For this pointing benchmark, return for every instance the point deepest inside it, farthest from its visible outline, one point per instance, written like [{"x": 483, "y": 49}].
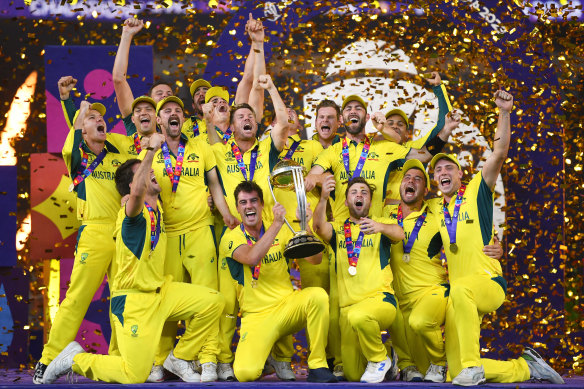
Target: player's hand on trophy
[
  {"x": 504, "y": 100},
  {"x": 279, "y": 213},
  {"x": 369, "y": 226},
  {"x": 66, "y": 85},
  {"x": 435, "y": 79},
  {"x": 132, "y": 26},
  {"x": 328, "y": 185},
  {"x": 308, "y": 213},
  {"x": 378, "y": 120}
]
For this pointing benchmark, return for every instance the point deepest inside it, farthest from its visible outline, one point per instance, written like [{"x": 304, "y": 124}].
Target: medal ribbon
[
  {"x": 256, "y": 269},
  {"x": 419, "y": 223},
  {"x": 291, "y": 151},
  {"x": 195, "y": 126},
  {"x": 451, "y": 221},
  {"x": 83, "y": 172},
  {"x": 353, "y": 251},
  {"x": 137, "y": 143},
  {"x": 225, "y": 135},
  {"x": 154, "y": 226},
  {"x": 241, "y": 164},
  {"x": 173, "y": 174},
  {"x": 362, "y": 158}
]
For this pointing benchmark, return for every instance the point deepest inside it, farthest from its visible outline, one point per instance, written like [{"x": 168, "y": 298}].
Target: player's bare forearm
[
  {"x": 502, "y": 139},
  {"x": 321, "y": 227},
  {"x": 252, "y": 255}
]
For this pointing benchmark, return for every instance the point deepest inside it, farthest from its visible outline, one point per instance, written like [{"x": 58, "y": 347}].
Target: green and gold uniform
[
  {"x": 271, "y": 308},
  {"x": 421, "y": 287},
  {"x": 143, "y": 300},
  {"x": 383, "y": 157},
  {"x": 366, "y": 299},
  {"x": 476, "y": 283}
]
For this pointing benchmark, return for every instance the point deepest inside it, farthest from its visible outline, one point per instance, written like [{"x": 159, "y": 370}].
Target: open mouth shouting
[
  {"x": 250, "y": 216},
  {"x": 174, "y": 123},
  {"x": 409, "y": 192},
  {"x": 325, "y": 129},
  {"x": 247, "y": 126},
  {"x": 354, "y": 119},
  {"x": 101, "y": 129},
  {"x": 223, "y": 108}
]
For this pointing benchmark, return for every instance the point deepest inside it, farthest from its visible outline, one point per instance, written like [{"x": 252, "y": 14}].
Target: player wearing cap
[
  {"x": 195, "y": 125},
  {"x": 92, "y": 156},
  {"x": 269, "y": 305},
  {"x": 143, "y": 298},
  {"x": 362, "y": 246},
  {"x": 183, "y": 168},
  {"x": 477, "y": 286}
]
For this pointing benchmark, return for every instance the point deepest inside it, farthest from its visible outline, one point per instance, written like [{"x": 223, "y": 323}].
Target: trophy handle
[
  {"x": 274, "y": 197},
  {"x": 300, "y": 196}
]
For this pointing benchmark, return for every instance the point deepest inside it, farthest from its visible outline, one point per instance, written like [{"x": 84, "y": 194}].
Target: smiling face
[
  {"x": 153, "y": 186},
  {"x": 160, "y": 92},
  {"x": 244, "y": 124},
  {"x": 397, "y": 123},
  {"x": 413, "y": 187},
  {"x": 250, "y": 206},
  {"x": 170, "y": 119},
  {"x": 354, "y": 117},
  {"x": 94, "y": 128},
  {"x": 358, "y": 200},
  {"x": 448, "y": 176},
  {"x": 144, "y": 118},
  {"x": 221, "y": 109},
  {"x": 199, "y": 99},
  {"x": 327, "y": 123}
]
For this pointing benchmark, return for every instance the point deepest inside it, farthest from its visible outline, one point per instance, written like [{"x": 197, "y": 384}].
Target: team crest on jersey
[
  {"x": 132, "y": 150},
  {"x": 192, "y": 158},
  {"x": 229, "y": 157},
  {"x": 134, "y": 330},
  {"x": 160, "y": 158},
  {"x": 83, "y": 258},
  {"x": 224, "y": 263},
  {"x": 230, "y": 244},
  {"x": 116, "y": 163},
  {"x": 373, "y": 156}
]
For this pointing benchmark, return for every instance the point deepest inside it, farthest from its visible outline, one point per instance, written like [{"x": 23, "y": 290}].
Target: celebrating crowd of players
[{"x": 199, "y": 238}]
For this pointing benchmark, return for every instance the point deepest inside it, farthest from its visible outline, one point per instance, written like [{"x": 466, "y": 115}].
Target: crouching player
[
  {"x": 142, "y": 298},
  {"x": 269, "y": 306},
  {"x": 364, "y": 279}
]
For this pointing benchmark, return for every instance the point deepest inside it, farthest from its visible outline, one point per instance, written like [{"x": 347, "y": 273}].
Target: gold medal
[
  {"x": 406, "y": 257},
  {"x": 453, "y": 248},
  {"x": 254, "y": 283},
  {"x": 71, "y": 187},
  {"x": 353, "y": 270}
]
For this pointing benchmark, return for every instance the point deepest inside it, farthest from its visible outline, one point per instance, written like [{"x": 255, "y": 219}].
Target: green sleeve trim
[
  {"x": 129, "y": 124},
  {"x": 79, "y": 232},
  {"x": 236, "y": 270},
  {"x": 485, "y": 209},
  {"x": 118, "y": 305},
  {"x": 69, "y": 110},
  {"x": 384, "y": 251},
  {"x": 444, "y": 107},
  {"x": 133, "y": 234},
  {"x": 389, "y": 298},
  {"x": 394, "y": 165},
  {"x": 435, "y": 245},
  {"x": 333, "y": 243},
  {"x": 274, "y": 155},
  {"x": 502, "y": 282},
  {"x": 220, "y": 182}
]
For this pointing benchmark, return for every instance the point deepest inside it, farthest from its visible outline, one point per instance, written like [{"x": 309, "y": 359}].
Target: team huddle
[{"x": 200, "y": 237}]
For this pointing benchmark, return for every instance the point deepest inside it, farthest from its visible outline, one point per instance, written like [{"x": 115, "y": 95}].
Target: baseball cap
[
  {"x": 219, "y": 91},
  {"x": 416, "y": 164},
  {"x": 199, "y": 83},
  {"x": 450, "y": 157},
  {"x": 356, "y": 98},
  {"x": 399, "y": 112},
  {"x": 169, "y": 99},
  {"x": 99, "y": 107},
  {"x": 146, "y": 99}
]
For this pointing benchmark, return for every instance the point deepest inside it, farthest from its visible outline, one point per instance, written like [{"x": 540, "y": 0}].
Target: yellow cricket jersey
[
  {"x": 187, "y": 209},
  {"x": 305, "y": 154},
  {"x": 188, "y": 130},
  {"x": 425, "y": 266},
  {"x": 373, "y": 273},
  {"x": 273, "y": 283},
  {"x": 382, "y": 158},
  {"x": 474, "y": 230},
  {"x": 139, "y": 267},
  {"x": 444, "y": 106},
  {"x": 230, "y": 175}
]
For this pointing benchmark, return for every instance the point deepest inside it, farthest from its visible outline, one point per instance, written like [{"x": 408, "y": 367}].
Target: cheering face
[
  {"x": 413, "y": 187},
  {"x": 153, "y": 187},
  {"x": 396, "y": 123},
  {"x": 199, "y": 99},
  {"x": 327, "y": 123},
  {"x": 250, "y": 206},
  {"x": 94, "y": 128},
  {"x": 144, "y": 118},
  {"x": 448, "y": 176},
  {"x": 354, "y": 117},
  {"x": 221, "y": 108},
  {"x": 358, "y": 200},
  {"x": 170, "y": 119},
  {"x": 160, "y": 92},
  {"x": 293, "y": 120},
  {"x": 244, "y": 124}
]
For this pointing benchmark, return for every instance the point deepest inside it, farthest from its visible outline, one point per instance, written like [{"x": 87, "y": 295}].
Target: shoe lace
[{"x": 72, "y": 378}]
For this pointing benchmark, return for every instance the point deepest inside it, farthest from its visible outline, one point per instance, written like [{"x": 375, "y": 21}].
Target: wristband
[
  {"x": 150, "y": 148},
  {"x": 435, "y": 145}
]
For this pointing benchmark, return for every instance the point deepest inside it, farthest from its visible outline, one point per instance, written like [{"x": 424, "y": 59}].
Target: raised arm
[
  {"x": 142, "y": 176},
  {"x": 66, "y": 85},
  {"x": 494, "y": 162},
  {"x": 380, "y": 123},
  {"x": 251, "y": 255},
  {"x": 208, "y": 115},
  {"x": 124, "y": 94},
  {"x": 316, "y": 258},
  {"x": 244, "y": 86},
  {"x": 219, "y": 200},
  {"x": 321, "y": 227},
  {"x": 256, "y": 95},
  {"x": 392, "y": 231},
  {"x": 280, "y": 130}
]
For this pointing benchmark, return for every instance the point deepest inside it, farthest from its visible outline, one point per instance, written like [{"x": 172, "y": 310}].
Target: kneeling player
[
  {"x": 365, "y": 292},
  {"x": 142, "y": 298},
  {"x": 269, "y": 306}
]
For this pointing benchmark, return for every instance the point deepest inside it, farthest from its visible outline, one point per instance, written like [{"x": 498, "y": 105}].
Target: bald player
[{"x": 465, "y": 217}]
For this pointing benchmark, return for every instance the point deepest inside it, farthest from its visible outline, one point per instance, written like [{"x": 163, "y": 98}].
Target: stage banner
[
  {"x": 8, "y": 196},
  {"x": 92, "y": 67}
]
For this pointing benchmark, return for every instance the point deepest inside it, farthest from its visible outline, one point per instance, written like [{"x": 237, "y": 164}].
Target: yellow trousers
[
  {"x": 189, "y": 257},
  {"x": 470, "y": 299},
  {"x": 334, "y": 335},
  {"x": 94, "y": 255},
  {"x": 139, "y": 318},
  {"x": 361, "y": 326},
  {"x": 259, "y": 331}
]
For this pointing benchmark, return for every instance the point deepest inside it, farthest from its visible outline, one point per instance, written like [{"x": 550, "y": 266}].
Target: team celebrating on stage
[{"x": 201, "y": 237}]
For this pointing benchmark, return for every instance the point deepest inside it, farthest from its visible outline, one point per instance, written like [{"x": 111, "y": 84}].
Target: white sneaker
[
  {"x": 539, "y": 369},
  {"x": 375, "y": 371},
  {"x": 181, "y": 368},
  {"x": 470, "y": 376},
  {"x": 39, "y": 371},
  {"x": 209, "y": 372},
  {"x": 393, "y": 371},
  {"x": 435, "y": 373},
  {"x": 283, "y": 369},
  {"x": 156, "y": 374},
  {"x": 63, "y": 363},
  {"x": 411, "y": 374},
  {"x": 225, "y": 372},
  {"x": 339, "y": 372}
]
